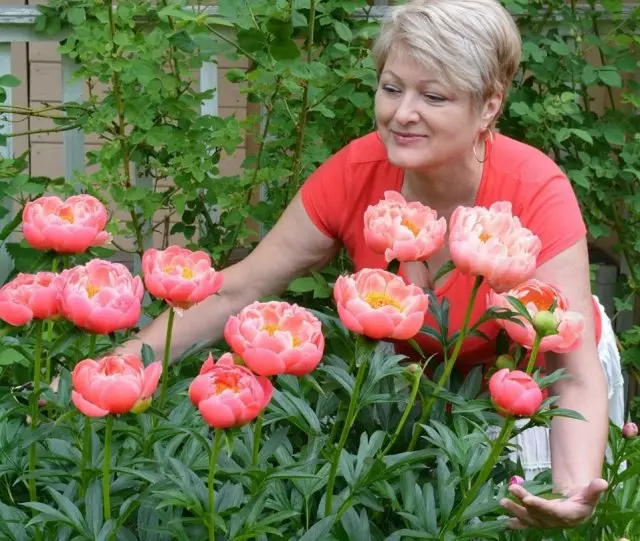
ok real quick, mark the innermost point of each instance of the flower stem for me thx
(448, 366)
(213, 461)
(496, 450)
(534, 353)
(37, 368)
(348, 423)
(87, 451)
(106, 484)
(417, 378)
(257, 436)
(165, 360)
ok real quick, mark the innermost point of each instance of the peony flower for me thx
(538, 297)
(227, 394)
(380, 305)
(70, 226)
(514, 392)
(516, 480)
(403, 231)
(276, 338)
(179, 276)
(30, 296)
(630, 431)
(101, 296)
(492, 243)
(114, 384)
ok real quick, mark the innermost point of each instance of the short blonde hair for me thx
(471, 45)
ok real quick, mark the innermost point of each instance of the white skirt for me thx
(533, 449)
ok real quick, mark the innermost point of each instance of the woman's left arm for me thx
(577, 447)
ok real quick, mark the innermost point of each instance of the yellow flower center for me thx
(271, 328)
(92, 290)
(67, 215)
(378, 299)
(221, 386)
(411, 227)
(484, 237)
(187, 273)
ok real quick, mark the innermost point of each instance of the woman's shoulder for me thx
(365, 150)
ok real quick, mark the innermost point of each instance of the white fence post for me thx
(72, 91)
(6, 152)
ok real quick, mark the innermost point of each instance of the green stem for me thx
(448, 367)
(106, 484)
(534, 353)
(348, 423)
(37, 368)
(498, 446)
(87, 447)
(405, 415)
(213, 460)
(165, 360)
(257, 436)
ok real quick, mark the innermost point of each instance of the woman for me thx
(444, 68)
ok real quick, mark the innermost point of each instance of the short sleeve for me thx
(550, 209)
(324, 194)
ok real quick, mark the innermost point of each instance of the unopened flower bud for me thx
(545, 323)
(141, 406)
(414, 368)
(516, 480)
(505, 361)
(630, 431)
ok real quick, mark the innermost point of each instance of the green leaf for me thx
(76, 15)
(320, 530)
(610, 77)
(343, 31)
(93, 507)
(560, 48)
(9, 81)
(582, 135)
(284, 49)
(614, 134)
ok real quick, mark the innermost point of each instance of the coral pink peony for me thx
(403, 231)
(101, 296)
(114, 384)
(179, 276)
(492, 243)
(276, 338)
(516, 480)
(227, 394)
(70, 226)
(514, 392)
(380, 305)
(30, 296)
(538, 297)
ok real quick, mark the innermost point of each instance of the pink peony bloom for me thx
(403, 231)
(492, 243)
(380, 305)
(30, 296)
(516, 480)
(514, 392)
(538, 297)
(114, 384)
(276, 338)
(70, 226)
(229, 395)
(179, 276)
(630, 431)
(101, 296)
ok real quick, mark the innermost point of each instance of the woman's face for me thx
(423, 123)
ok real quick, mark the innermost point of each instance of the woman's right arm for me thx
(292, 247)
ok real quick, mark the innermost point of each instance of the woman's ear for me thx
(491, 109)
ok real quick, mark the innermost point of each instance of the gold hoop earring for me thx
(487, 138)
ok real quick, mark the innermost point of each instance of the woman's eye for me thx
(435, 98)
(390, 89)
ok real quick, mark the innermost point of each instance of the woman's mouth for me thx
(407, 138)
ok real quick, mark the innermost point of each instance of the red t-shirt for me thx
(337, 194)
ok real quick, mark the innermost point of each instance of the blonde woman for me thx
(445, 67)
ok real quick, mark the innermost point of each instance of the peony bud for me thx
(516, 480)
(630, 431)
(505, 361)
(414, 368)
(545, 323)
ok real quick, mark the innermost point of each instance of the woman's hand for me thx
(566, 512)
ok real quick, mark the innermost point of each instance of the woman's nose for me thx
(407, 113)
